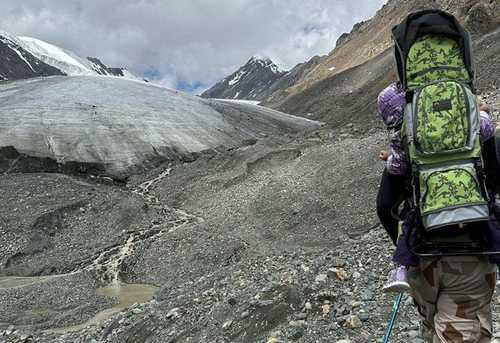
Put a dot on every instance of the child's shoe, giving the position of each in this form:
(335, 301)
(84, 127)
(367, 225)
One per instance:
(396, 282)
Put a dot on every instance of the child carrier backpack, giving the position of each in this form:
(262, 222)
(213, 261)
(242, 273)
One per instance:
(441, 130)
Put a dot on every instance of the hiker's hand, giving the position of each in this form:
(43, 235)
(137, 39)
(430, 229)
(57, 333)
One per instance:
(484, 107)
(384, 155)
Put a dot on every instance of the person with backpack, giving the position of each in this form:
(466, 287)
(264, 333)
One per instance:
(452, 178)
(391, 102)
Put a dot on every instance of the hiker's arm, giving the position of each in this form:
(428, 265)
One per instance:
(390, 196)
(491, 165)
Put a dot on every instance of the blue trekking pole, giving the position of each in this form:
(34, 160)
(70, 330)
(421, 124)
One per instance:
(395, 309)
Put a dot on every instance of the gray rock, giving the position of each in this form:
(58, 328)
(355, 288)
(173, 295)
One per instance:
(264, 303)
(413, 334)
(367, 295)
(297, 323)
(173, 313)
(301, 316)
(296, 334)
(227, 325)
(363, 316)
(137, 310)
(321, 278)
(353, 322)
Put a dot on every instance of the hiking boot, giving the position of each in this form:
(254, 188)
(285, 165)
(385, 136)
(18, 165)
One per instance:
(396, 282)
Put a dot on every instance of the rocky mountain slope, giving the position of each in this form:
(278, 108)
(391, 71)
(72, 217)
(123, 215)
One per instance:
(350, 96)
(372, 37)
(26, 57)
(322, 87)
(250, 82)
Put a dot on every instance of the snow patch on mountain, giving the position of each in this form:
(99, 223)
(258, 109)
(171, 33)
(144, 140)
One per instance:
(266, 62)
(22, 57)
(14, 44)
(128, 75)
(250, 81)
(64, 60)
(236, 78)
(8, 39)
(67, 61)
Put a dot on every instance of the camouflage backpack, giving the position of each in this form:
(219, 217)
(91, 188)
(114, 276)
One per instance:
(441, 121)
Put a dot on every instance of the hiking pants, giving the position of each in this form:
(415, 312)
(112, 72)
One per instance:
(453, 295)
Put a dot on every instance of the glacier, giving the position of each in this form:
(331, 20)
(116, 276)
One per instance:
(125, 126)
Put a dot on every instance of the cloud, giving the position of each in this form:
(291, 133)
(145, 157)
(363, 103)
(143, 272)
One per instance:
(187, 42)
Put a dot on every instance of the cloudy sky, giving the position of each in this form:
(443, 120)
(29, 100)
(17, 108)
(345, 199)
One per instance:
(187, 44)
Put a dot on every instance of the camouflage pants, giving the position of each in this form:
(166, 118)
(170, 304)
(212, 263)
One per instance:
(453, 296)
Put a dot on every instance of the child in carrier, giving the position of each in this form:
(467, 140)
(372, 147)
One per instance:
(391, 103)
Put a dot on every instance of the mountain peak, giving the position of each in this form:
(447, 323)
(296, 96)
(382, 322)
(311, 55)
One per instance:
(249, 82)
(16, 62)
(265, 62)
(24, 57)
(259, 58)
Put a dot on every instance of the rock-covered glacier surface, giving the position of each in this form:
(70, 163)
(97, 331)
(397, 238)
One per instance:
(123, 126)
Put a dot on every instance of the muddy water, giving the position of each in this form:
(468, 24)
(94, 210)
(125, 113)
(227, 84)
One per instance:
(125, 294)
(128, 294)
(107, 266)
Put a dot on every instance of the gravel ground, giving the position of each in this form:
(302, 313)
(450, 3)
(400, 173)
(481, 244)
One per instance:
(308, 295)
(274, 242)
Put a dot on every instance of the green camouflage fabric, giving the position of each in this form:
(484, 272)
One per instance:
(442, 122)
(450, 188)
(434, 58)
(453, 296)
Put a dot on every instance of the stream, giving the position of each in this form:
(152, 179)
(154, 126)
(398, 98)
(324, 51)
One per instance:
(108, 264)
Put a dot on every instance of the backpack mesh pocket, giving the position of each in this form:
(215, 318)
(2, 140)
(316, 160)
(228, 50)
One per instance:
(449, 188)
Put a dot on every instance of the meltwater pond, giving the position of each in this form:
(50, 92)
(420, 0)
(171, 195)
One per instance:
(125, 294)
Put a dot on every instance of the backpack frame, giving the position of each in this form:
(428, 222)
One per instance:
(418, 24)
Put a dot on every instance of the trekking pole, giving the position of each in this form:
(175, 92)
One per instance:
(395, 309)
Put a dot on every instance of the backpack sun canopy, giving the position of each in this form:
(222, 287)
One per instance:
(428, 23)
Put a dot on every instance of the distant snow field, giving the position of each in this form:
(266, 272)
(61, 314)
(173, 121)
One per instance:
(66, 61)
(239, 101)
(51, 54)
